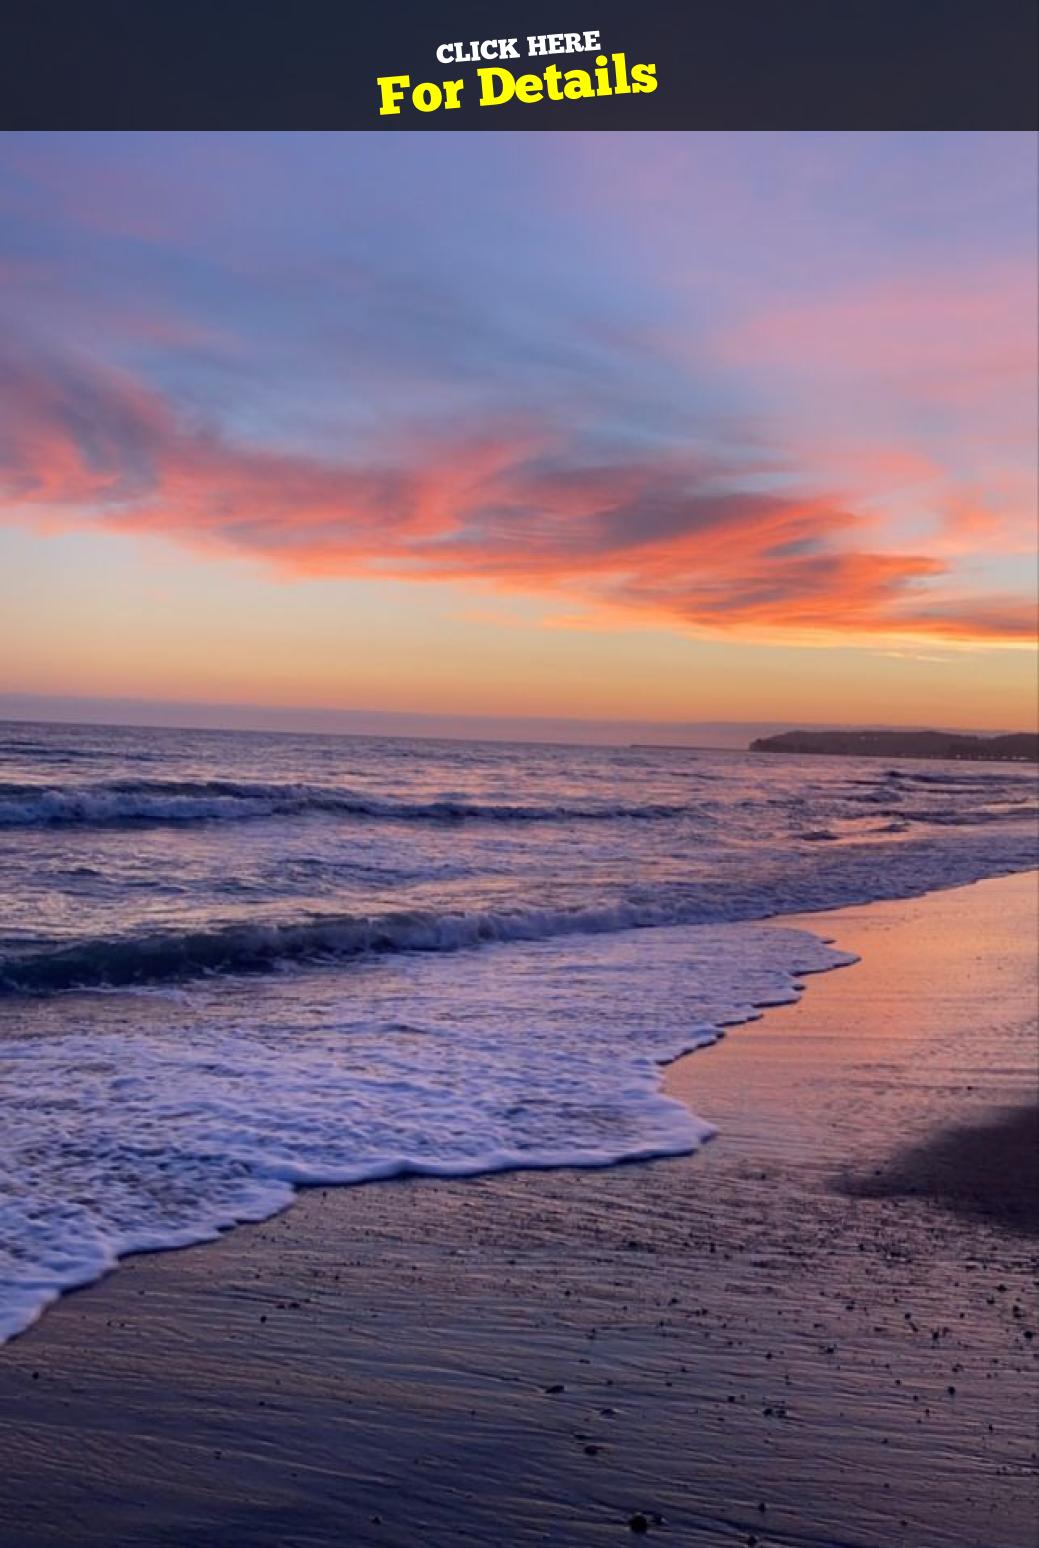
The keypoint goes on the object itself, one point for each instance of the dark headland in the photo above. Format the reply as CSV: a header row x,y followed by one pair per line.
x,y
1020,747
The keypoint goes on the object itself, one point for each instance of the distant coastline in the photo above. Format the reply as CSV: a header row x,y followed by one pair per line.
x,y
1020,747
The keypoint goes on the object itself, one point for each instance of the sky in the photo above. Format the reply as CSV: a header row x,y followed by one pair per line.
x,y
605,427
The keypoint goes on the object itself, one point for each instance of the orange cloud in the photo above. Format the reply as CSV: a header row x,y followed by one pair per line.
x,y
521,507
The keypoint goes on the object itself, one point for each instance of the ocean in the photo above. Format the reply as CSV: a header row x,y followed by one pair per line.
x,y
235,963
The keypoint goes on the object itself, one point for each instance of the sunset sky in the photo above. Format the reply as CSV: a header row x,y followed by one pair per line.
x,y
647,427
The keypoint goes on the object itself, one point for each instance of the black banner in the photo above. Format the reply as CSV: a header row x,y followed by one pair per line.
x,y
315,64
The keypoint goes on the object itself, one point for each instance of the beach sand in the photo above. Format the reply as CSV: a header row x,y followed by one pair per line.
x,y
818,1331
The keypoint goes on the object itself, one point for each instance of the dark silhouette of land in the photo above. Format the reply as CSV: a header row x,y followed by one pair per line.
x,y
1020,747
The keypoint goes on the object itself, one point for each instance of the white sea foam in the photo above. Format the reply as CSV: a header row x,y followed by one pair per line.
x,y
146,1124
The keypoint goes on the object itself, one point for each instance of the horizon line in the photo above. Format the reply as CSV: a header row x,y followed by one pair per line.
x,y
233,716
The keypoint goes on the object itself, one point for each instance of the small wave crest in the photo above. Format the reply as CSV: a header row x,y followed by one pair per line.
x,y
143,802
241,948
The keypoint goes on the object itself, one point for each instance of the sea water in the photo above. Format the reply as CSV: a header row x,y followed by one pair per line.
x,y
232,964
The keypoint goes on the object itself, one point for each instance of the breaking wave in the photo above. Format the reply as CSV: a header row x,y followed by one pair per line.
x,y
127,802
247,947
237,947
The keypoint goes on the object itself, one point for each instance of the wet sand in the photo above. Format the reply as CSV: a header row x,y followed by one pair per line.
x,y
818,1331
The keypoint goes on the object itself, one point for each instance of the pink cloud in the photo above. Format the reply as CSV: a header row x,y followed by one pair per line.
x,y
957,336
518,507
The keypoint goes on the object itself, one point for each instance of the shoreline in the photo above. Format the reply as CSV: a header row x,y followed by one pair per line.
x,y
809,922
722,1328
875,935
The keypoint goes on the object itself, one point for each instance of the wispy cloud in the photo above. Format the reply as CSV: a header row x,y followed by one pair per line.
x,y
523,507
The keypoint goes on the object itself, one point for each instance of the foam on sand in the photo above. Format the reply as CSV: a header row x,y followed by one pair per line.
x,y
196,1110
